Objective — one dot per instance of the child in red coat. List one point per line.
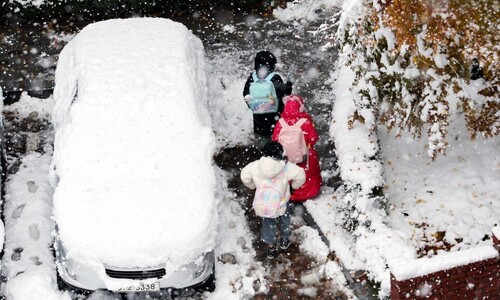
(294, 110)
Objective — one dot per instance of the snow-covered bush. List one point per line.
(422, 55)
(408, 66)
(355, 123)
(417, 63)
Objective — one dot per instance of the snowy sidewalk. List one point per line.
(28, 262)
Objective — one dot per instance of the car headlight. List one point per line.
(69, 271)
(68, 265)
(200, 268)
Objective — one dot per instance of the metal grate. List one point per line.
(136, 274)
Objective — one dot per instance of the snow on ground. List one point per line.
(28, 263)
(231, 118)
(232, 123)
(454, 200)
(313, 246)
(403, 269)
(370, 251)
(238, 274)
(34, 283)
(28, 105)
(2, 229)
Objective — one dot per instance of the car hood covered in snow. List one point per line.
(133, 146)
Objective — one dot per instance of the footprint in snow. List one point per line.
(17, 212)
(241, 242)
(34, 232)
(32, 187)
(35, 260)
(17, 254)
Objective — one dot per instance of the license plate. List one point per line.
(141, 287)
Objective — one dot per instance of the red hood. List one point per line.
(292, 110)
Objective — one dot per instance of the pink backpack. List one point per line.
(292, 139)
(270, 197)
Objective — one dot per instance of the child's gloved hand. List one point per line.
(248, 98)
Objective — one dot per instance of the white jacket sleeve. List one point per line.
(296, 175)
(247, 176)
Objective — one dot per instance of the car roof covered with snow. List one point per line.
(133, 145)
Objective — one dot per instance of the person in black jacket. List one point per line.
(263, 124)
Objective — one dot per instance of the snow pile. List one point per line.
(232, 119)
(313, 245)
(352, 127)
(356, 148)
(404, 269)
(300, 10)
(31, 105)
(355, 142)
(496, 231)
(133, 146)
(309, 292)
(35, 283)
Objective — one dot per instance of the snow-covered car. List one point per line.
(134, 199)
